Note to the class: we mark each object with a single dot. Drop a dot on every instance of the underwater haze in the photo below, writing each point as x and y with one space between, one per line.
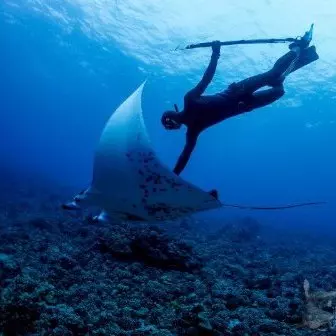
65 67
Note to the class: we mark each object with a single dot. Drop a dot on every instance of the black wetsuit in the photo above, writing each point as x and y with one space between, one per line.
202 111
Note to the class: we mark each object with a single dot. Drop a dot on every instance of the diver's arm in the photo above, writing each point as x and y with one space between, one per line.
186 153
208 75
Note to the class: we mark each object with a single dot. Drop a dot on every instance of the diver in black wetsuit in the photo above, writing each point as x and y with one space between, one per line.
202 111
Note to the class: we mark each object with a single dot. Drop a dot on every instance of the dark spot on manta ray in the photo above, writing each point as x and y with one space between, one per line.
166 209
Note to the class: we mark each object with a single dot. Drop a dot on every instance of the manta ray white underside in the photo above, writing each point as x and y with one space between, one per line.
130 180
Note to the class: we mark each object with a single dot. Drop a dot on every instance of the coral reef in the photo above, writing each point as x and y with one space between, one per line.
63 275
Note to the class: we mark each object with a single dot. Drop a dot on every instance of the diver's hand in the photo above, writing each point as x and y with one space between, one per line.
216 47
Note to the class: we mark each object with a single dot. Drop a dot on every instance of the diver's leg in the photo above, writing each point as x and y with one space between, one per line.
288 63
272 77
307 56
262 98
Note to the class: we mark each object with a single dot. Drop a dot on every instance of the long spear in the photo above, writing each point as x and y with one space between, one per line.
255 41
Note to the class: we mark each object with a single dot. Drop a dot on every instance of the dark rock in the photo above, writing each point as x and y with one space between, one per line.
19 307
204 323
270 326
127 323
160 251
261 282
8 267
234 301
277 314
39 223
18 318
192 331
67 262
238 328
241 231
295 304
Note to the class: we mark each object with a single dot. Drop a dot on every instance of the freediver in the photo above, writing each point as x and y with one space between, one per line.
202 111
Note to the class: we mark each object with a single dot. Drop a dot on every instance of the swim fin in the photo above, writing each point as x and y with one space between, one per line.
307 56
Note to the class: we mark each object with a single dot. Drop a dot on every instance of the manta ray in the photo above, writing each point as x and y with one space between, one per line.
130 181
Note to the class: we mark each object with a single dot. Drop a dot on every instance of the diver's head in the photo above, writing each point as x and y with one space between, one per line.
172 120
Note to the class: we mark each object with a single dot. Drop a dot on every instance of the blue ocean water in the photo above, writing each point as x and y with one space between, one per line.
65 66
